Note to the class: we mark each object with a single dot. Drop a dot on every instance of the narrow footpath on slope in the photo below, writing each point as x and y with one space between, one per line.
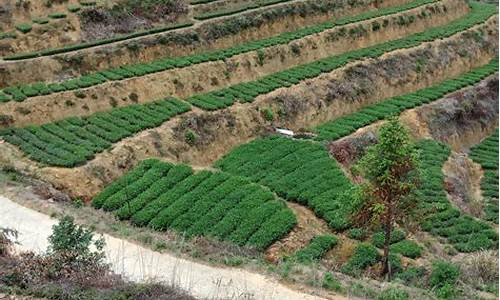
141 264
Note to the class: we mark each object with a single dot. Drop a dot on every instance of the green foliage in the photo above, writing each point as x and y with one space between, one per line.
73 141
68 237
190 137
316 248
446 291
165 196
486 154
357 234
391 170
331 283
379 237
261 56
299 171
74 8
57 15
412 276
24 27
443 273
407 248
268 114
393 293
365 255
41 20
465 233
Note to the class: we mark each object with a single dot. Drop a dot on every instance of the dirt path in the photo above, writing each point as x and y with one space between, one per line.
139 264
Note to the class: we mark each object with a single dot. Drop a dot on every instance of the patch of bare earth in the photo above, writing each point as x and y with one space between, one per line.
463 184
308 226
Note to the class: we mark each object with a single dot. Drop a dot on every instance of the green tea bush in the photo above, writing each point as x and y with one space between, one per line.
24 27
165 196
299 171
365 255
412 276
359 234
57 15
331 283
316 248
407 248
378 238
40 20
486 154
73 141
443 273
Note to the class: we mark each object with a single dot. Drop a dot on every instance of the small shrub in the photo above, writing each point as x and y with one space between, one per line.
365 255
407 248
375 26
260 57
329 282
6 120
69 103
190 137
378 238
357 234
113 102
393 293
395 263
68 236
57 15
443 273
412 276
40 21
24 27
133 97
316 248
268 114
80 94
74 8
295 49
447 291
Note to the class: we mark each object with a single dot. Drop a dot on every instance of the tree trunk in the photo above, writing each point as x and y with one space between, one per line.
387 243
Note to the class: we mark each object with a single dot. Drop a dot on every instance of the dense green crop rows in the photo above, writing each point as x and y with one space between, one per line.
298 171
316 248
346 125
465 233
165 196
248 91
73 141
398 244
20 93
486 154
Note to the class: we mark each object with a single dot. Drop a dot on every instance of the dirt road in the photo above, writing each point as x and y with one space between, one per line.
139 263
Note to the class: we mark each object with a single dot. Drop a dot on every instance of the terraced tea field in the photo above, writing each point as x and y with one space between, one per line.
234 133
